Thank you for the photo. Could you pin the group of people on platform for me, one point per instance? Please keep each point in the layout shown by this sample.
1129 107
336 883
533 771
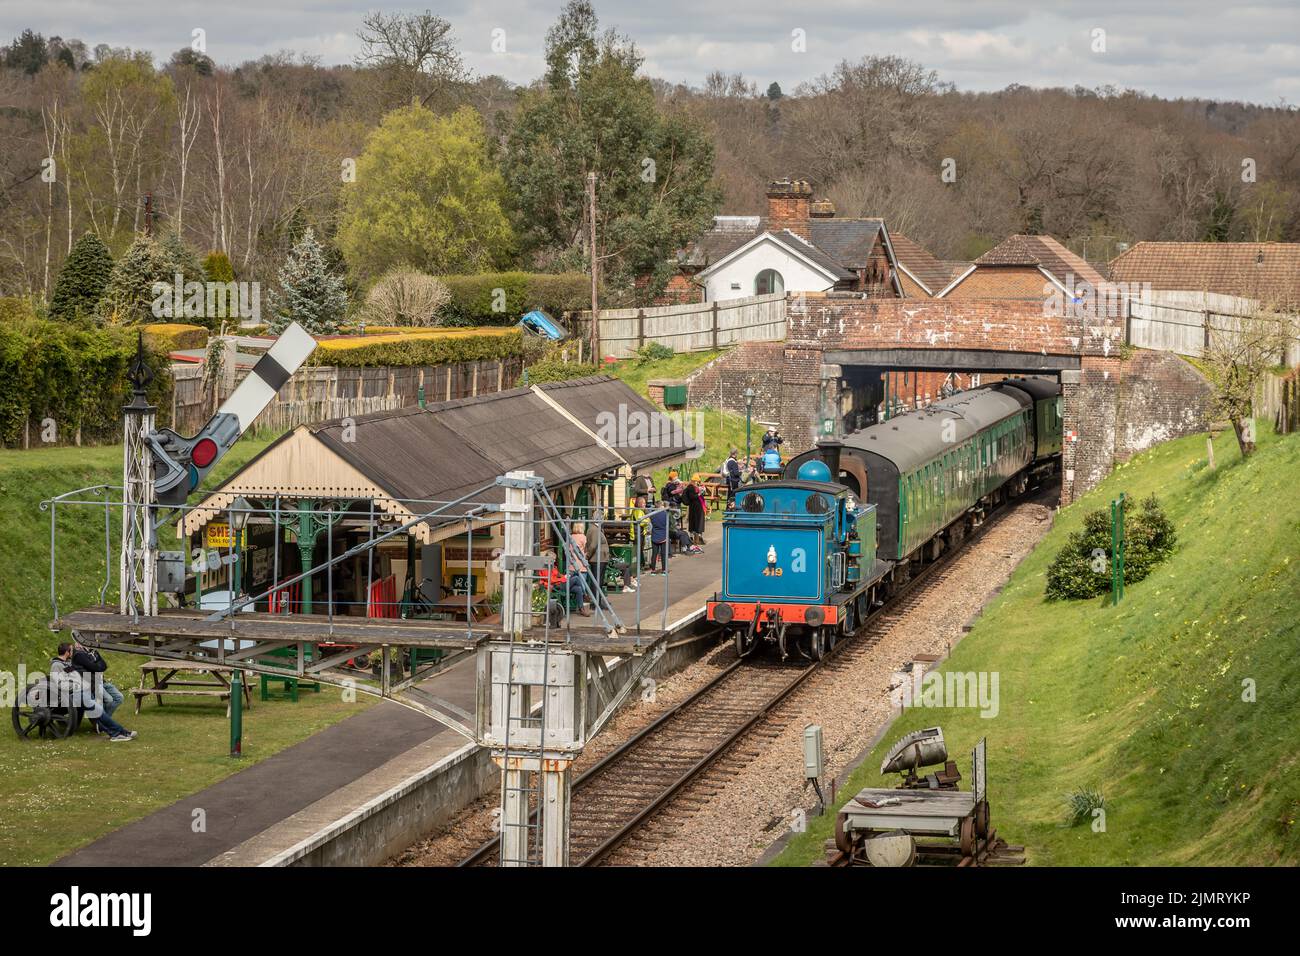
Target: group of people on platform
659 522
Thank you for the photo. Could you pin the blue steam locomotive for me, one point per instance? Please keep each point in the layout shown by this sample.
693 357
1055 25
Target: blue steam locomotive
806 557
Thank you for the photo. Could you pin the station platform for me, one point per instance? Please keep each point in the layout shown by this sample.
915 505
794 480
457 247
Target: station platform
299 796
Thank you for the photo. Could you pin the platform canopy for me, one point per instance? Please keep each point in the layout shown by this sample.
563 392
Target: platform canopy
408 460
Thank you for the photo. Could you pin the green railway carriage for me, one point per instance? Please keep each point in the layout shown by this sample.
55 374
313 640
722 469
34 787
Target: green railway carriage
926 469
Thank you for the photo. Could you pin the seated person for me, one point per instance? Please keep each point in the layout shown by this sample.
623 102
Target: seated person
771 462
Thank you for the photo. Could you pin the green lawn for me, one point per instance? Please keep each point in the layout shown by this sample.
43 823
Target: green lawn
58 795
1144 702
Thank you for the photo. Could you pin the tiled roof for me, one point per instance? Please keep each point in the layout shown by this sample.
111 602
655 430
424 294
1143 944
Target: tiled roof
1041 251
843 243
816 254
1255 270
918 260
847 241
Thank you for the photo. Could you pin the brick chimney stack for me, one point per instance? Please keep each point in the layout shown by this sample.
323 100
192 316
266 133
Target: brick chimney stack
788 203
822 209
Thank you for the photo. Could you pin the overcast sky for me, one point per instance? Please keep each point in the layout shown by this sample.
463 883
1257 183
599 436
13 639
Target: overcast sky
1200 48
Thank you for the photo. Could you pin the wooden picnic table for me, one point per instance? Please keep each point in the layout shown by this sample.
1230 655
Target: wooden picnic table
713 488
163 674
454 604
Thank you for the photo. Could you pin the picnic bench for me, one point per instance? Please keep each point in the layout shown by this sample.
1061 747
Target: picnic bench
713 489
187 679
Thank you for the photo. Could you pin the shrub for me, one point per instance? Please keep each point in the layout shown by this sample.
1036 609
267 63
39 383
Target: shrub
502 298
555 369
1080 804
405 297
653 352
76 376
217 267
171 336
1149 539
419 348
82 279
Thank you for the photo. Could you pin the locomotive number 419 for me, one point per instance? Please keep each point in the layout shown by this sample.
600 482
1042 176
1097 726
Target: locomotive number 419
771 572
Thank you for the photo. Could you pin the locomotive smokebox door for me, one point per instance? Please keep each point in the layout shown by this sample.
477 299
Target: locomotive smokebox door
813 758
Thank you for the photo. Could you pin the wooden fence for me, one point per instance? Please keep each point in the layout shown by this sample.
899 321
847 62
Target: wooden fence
1183 322
320 393
695 327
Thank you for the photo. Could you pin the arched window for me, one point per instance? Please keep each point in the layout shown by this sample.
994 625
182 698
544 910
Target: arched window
768 282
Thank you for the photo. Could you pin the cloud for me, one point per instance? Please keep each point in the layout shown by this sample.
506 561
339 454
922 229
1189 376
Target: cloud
1193 48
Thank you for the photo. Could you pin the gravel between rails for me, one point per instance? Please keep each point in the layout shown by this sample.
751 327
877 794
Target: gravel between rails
745 800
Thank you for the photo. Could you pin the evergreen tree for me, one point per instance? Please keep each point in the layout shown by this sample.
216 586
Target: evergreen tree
129 296
774 91
182 259
217 267
310 294
82 279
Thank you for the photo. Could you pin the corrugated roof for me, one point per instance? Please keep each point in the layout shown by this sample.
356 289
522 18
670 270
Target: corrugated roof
1253 270
448 449
601 403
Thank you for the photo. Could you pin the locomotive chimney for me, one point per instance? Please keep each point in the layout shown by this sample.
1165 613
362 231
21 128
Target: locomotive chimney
830 449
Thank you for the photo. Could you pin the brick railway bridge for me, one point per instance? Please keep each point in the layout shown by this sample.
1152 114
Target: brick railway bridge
843 355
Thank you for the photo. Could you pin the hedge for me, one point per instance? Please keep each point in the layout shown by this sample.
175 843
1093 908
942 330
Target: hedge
75 375
472 297
411 350
172 336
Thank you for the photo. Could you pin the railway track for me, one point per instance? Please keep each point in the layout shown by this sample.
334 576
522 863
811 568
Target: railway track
613 798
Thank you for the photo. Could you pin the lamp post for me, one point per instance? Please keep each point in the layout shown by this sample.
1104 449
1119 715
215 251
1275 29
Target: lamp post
749 411
239 509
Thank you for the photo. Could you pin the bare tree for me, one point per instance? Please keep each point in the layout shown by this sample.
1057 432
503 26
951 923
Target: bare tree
1239 353
414 56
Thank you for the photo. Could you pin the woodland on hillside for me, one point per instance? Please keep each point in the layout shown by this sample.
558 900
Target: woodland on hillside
241 158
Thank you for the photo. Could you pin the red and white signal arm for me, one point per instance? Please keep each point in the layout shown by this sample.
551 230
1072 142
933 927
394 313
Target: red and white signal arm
180 463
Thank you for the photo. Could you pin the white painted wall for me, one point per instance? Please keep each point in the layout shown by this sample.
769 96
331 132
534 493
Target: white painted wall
744 269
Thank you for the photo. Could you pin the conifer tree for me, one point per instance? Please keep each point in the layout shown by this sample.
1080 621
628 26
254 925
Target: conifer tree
82 279
129 296
310 294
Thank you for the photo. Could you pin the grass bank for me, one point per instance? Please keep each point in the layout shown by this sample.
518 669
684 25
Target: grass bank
1180 705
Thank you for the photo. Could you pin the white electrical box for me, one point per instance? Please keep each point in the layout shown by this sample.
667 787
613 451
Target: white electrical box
813 759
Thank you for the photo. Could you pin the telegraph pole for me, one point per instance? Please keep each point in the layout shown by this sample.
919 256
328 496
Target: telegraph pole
591 251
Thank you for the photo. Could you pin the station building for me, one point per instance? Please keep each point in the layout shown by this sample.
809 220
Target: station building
319 490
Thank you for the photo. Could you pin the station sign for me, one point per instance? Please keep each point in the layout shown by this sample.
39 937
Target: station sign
217 535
